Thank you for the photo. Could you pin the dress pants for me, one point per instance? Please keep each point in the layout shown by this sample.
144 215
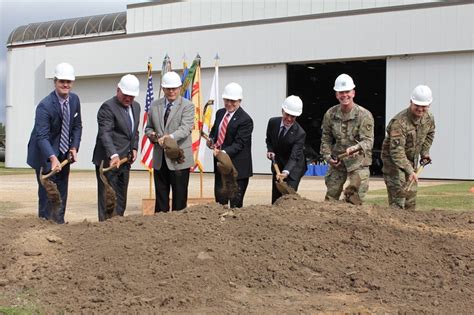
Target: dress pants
238 200
61 180
118 179
178 181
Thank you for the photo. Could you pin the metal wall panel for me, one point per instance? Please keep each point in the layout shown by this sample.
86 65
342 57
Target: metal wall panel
450 76
421 31
208 12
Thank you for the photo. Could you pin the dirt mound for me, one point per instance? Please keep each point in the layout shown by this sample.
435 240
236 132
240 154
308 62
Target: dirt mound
297 256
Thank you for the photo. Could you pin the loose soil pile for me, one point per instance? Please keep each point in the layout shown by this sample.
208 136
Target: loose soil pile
298 256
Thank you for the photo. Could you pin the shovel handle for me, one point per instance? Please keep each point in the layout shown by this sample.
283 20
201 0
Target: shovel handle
122 160
277 169
206 137
52 172
411 182
345 154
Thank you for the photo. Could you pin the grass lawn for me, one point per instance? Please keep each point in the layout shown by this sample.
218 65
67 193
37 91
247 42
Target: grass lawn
14 171
455 196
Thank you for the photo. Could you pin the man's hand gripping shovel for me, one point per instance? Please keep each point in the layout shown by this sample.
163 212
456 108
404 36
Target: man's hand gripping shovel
407 190
281 185
110 195
54 197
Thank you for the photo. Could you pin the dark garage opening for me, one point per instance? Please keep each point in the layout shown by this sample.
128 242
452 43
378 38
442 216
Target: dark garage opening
314 83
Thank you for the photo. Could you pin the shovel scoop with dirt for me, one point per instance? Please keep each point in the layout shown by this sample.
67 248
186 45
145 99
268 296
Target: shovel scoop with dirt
228 175
110 195
282 186
54 197
351 192
172 150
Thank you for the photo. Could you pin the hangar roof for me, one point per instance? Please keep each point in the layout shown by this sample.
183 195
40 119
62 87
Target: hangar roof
82 27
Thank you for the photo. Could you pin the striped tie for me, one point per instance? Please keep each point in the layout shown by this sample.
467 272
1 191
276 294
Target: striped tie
223 130
64 140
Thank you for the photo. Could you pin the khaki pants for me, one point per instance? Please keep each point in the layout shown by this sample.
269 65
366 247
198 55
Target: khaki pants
337 176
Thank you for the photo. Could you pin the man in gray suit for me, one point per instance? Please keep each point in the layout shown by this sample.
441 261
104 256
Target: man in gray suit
118 120
171 117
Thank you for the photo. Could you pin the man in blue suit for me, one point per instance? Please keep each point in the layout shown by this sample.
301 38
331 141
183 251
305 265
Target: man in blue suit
55 137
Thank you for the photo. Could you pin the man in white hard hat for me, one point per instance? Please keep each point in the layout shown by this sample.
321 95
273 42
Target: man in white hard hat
348 129
285 142
232 133
117 139
171 116
409 137
55 138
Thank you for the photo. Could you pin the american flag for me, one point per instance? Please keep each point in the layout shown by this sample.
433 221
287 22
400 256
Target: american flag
146 145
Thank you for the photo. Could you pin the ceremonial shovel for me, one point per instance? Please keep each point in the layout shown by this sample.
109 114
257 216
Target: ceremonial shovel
110 195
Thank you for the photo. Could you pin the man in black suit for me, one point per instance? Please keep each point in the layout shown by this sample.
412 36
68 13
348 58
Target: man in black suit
285 143
117 137
232 133
56 135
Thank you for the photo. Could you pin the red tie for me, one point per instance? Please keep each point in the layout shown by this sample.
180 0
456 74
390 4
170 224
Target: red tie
223 130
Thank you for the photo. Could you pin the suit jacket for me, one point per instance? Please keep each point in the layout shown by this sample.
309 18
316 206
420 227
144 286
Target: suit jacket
46 134
114 135
179 124
238 140
289 149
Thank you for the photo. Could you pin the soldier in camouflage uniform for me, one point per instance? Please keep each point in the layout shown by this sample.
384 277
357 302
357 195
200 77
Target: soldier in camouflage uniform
347 128
409 137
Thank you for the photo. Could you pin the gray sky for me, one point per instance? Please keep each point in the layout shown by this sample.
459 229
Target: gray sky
14 13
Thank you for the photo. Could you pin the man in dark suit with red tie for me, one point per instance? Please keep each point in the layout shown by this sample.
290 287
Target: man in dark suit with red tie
117 137
56 137
285 144
232 133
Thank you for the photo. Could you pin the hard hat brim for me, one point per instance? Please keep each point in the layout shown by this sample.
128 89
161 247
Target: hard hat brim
69 78
350 88
419 103
170 86
229 97
129 93
292 113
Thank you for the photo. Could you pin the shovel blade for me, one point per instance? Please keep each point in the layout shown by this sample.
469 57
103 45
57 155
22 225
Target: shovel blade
352 195
54 197
284 188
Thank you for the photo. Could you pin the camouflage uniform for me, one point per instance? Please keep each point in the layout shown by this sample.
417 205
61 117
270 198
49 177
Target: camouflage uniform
340 131
408 138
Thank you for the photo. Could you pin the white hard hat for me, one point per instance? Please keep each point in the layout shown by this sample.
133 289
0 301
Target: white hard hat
422 95
129 85
64 71
343 83
171 80
292 105
233 91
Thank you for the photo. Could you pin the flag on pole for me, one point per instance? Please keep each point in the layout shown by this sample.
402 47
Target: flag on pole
209 113
196 99
165 67
146 145
187 91
193 80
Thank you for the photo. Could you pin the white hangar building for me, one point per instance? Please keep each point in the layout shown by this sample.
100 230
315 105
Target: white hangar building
273 48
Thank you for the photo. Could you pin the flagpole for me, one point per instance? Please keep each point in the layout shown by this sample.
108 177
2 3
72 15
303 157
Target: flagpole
150 173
